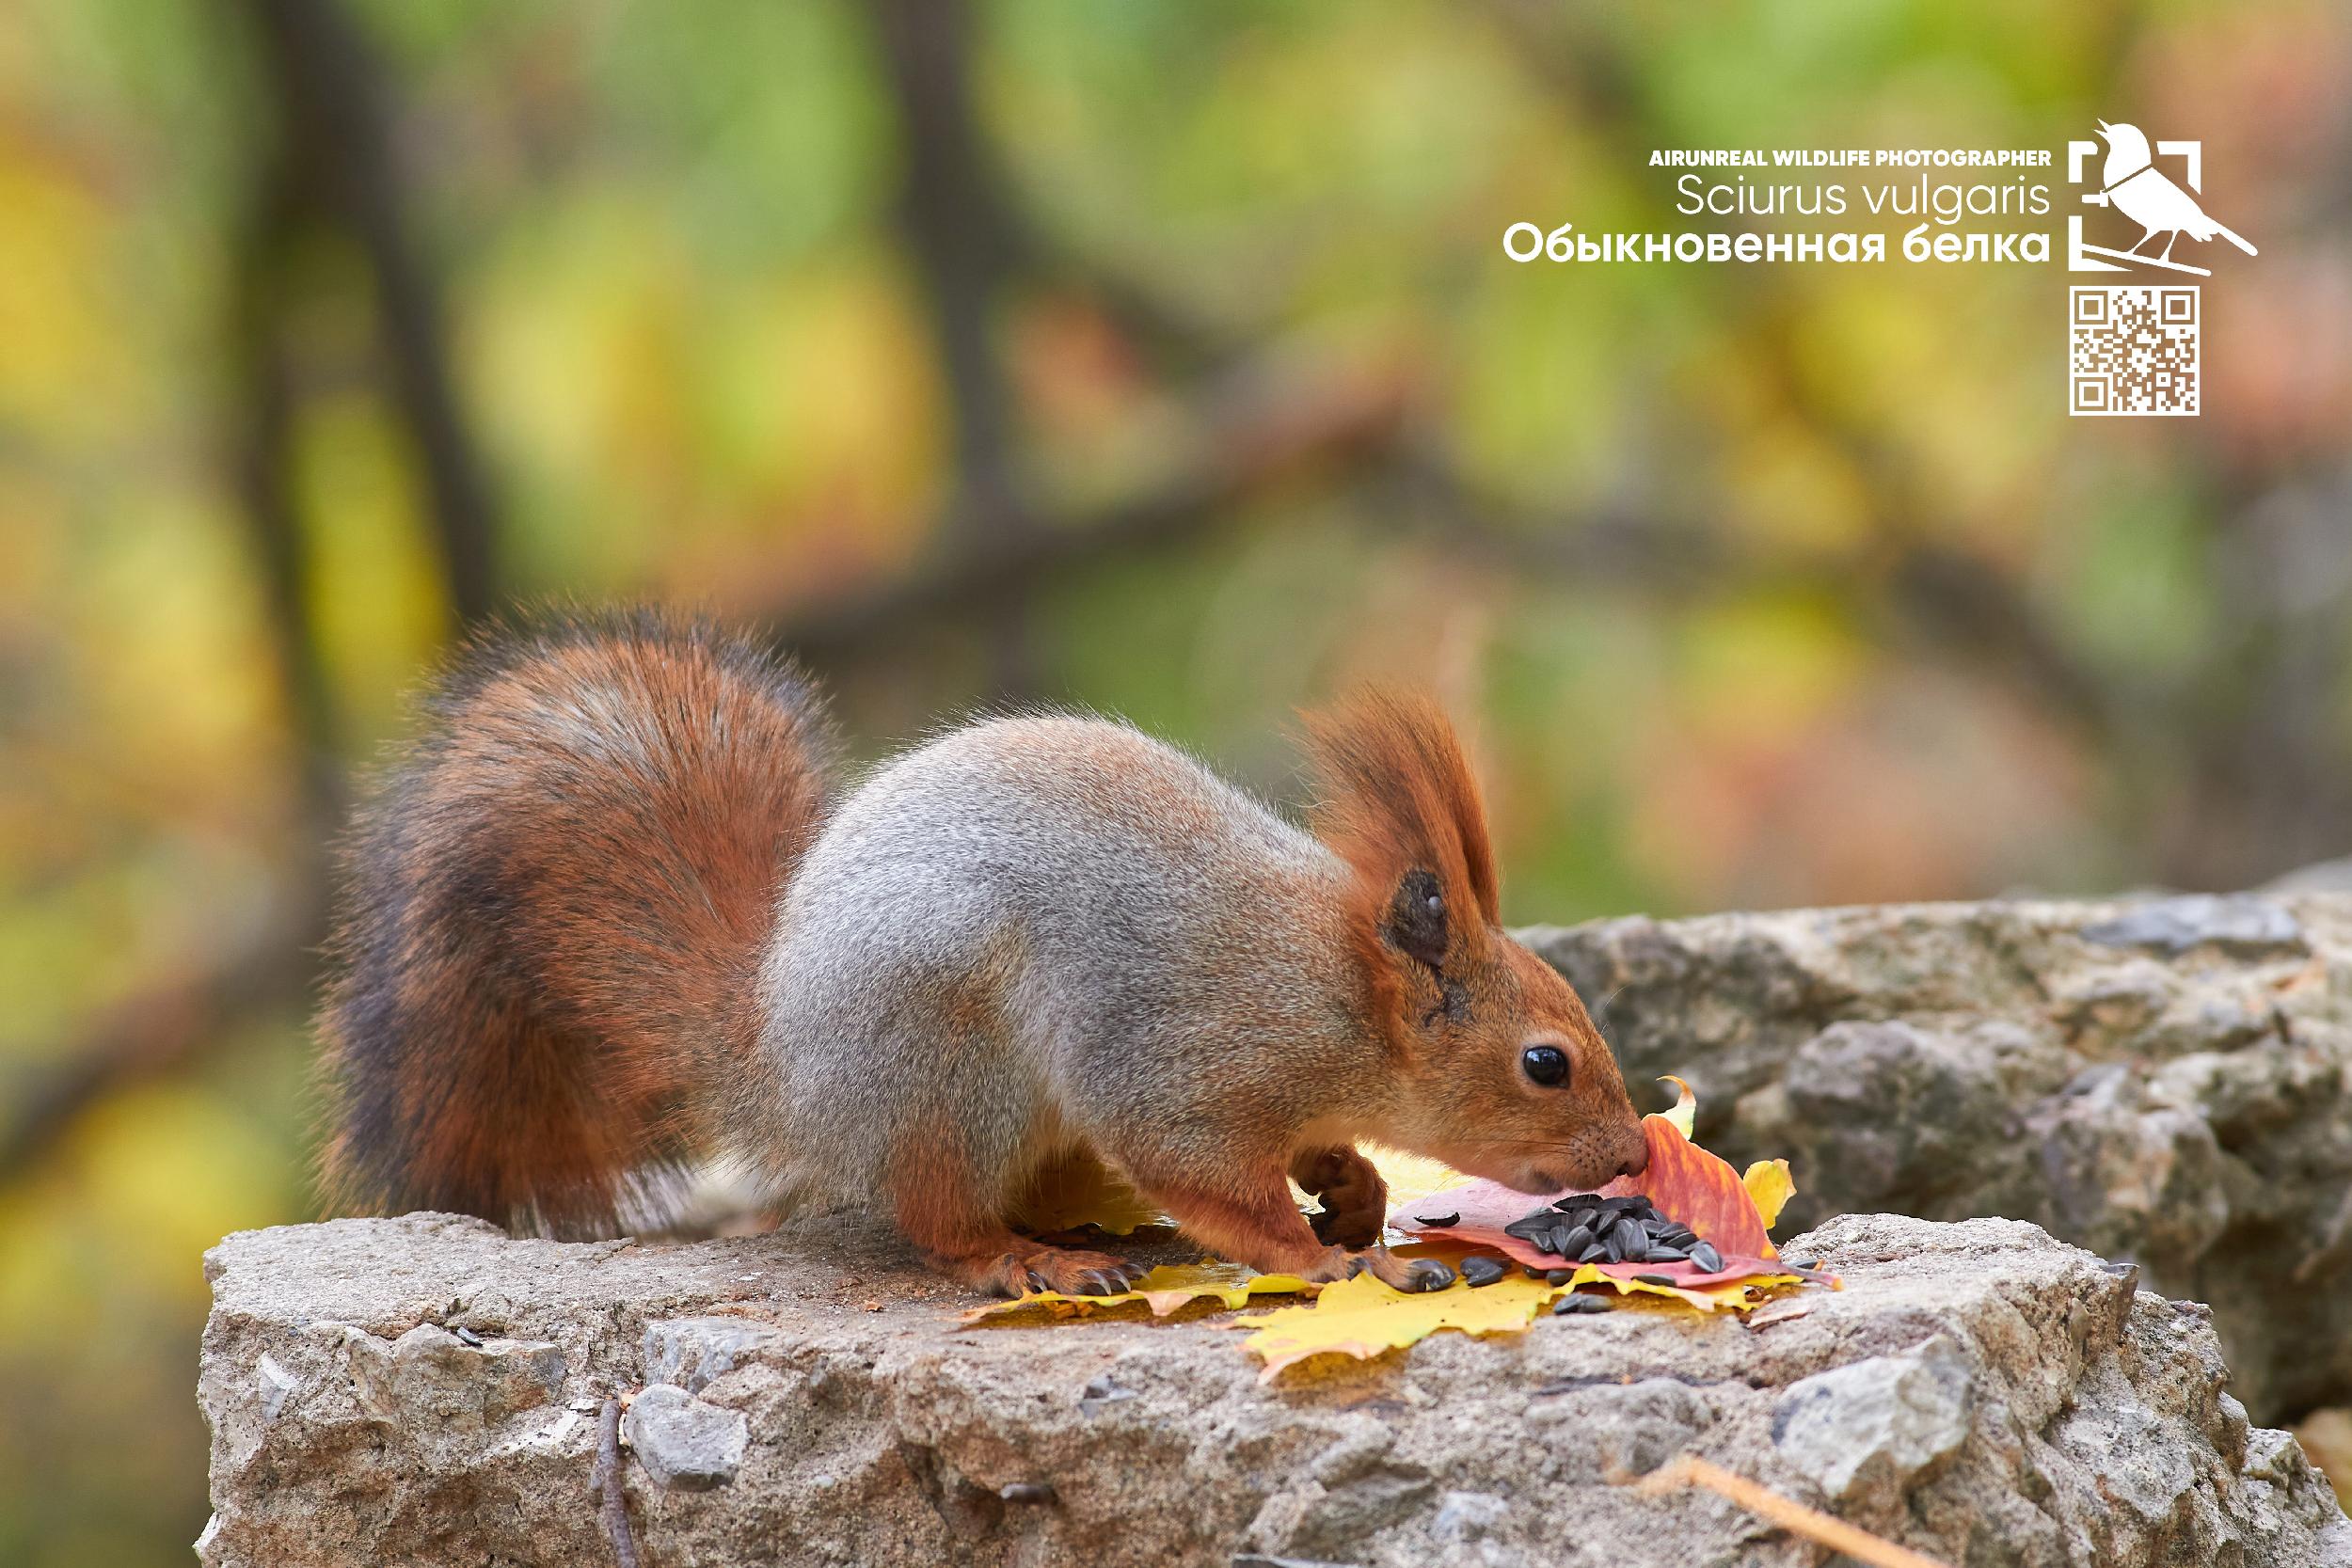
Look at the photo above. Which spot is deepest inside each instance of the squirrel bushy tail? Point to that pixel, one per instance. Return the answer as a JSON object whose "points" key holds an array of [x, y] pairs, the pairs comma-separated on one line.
{"points": [[554, 918]]}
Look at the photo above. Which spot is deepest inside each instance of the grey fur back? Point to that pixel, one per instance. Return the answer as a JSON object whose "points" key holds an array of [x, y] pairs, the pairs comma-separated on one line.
{"points": [[1042, 929]]}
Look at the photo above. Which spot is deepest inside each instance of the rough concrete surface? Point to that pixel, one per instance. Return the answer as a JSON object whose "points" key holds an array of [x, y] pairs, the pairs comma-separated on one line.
{"points": [[2166, 1081], [422, 1391]]}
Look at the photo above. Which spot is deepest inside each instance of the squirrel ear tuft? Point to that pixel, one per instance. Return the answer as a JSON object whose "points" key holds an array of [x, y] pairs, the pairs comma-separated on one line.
{"points": [[1398, 804]]}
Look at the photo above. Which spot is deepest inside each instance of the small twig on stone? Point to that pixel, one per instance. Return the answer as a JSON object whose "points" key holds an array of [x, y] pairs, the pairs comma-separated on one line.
{"points": [[612, 1504], [1788, 1514]]}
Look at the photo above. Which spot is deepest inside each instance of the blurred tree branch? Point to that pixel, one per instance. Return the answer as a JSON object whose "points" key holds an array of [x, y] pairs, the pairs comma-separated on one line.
{"points": [[264, 460], [333, 126], [954, 219]]}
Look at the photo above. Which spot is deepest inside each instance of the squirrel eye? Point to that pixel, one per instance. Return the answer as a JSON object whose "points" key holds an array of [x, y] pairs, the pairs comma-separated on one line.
{"points": [[1547, 1065]]}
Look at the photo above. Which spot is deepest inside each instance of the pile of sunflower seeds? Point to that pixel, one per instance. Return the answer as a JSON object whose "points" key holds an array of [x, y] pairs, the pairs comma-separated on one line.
{"points": [[1583, 1228]]}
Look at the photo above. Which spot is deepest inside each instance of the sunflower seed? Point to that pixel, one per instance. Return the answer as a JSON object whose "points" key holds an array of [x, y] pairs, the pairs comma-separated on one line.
{"points": [[1706, 1257], [1658, 1253], [1800, 1262], [1558, 1276], [1481, 1271], [1653, 1280], [1613, 1244], [1630, 1234], [1573, 1244], [1673, 1235], [1577, 1302], [1437, 1221]]}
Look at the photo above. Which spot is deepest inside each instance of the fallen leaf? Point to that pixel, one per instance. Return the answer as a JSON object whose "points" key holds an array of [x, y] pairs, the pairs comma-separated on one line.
{"points": [[1361, 1317], [1770, 1187], [1164, 1290], [1689, 1184]]}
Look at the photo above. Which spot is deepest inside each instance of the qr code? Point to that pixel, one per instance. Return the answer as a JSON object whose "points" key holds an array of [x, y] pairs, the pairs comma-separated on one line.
{"points": [[2132, 350]]}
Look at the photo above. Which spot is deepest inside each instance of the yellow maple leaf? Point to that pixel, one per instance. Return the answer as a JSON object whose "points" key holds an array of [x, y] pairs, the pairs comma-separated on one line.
{"points": [[1707, 1298], [1164, 1290], [1770, 1187], [1361, 1317]]}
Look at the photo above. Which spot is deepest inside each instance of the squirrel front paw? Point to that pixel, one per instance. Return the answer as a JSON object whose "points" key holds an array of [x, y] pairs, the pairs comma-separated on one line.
{"points": [[1354, 1198]]}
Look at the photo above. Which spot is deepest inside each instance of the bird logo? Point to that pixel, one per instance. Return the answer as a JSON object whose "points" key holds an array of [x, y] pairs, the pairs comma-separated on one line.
{"points": [[2132, 185]]}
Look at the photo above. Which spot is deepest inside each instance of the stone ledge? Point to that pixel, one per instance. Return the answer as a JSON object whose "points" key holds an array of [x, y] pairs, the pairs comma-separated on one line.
{"points": [[422, 1392]]}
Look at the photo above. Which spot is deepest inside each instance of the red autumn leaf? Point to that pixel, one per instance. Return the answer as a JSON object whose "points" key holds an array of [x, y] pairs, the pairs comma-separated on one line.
{"points": [[1689, 1184], [1684, 1181]]}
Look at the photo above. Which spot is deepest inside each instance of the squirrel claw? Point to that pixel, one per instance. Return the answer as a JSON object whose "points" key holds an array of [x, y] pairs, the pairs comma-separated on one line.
{"points": [[1411, 1275], [1426, 1274], [1062, 1271]]}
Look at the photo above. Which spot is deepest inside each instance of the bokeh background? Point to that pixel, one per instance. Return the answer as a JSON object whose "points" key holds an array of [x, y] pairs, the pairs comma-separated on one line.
{"points": [[1157, 355]]}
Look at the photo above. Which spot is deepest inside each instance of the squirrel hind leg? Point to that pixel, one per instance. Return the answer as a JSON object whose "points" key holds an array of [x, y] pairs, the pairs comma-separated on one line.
{"points": [[939, 1207]]}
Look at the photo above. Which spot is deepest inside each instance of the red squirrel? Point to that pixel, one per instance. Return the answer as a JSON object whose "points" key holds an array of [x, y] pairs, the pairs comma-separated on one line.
{"points": [[615, 914]]}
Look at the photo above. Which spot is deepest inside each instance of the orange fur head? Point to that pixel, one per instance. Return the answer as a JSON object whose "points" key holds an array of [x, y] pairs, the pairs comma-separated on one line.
{"points": [[1501, 1071]]}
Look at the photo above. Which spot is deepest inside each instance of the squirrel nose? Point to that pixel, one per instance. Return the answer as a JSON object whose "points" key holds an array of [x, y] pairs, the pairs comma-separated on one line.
{"points": [[1639, 1163]]}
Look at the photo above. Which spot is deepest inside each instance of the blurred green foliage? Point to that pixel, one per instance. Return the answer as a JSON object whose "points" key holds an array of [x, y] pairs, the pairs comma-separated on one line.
{"points": [[1755, 585]]}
